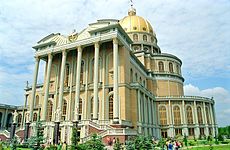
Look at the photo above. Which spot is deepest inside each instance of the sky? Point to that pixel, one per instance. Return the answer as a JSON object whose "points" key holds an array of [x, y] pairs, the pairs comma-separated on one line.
{"points": [[196, 31]]}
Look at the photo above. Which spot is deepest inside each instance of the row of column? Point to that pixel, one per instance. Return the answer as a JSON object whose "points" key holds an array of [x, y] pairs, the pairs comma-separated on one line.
{"points": [[146, 110], [77, 92]]}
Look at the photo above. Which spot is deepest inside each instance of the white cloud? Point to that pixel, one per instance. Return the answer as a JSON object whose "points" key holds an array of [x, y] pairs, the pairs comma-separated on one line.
{"points": [[219, 94], [221, 97]]}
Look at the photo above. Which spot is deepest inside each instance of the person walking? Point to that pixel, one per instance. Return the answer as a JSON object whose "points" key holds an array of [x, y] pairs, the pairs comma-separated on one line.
{"points": [[64, 146], [170, 146]]}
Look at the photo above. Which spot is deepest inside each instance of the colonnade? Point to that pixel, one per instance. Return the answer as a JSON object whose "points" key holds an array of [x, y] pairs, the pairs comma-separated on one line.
{"points": [[184, 120], [146, 114], [77, 90]]}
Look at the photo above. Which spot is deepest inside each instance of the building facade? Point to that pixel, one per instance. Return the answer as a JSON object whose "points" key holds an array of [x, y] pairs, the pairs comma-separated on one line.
{"points": [[112, 79]]}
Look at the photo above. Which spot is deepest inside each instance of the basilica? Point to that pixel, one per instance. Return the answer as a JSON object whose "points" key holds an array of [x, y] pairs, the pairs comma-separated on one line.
{"points": [[111, 79]]}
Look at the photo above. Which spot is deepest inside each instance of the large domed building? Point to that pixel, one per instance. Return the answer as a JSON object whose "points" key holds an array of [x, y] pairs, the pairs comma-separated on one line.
{"points": [[112, 79]]}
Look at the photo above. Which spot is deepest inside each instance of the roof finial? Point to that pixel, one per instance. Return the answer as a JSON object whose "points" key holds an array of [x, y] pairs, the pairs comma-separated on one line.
{"points": [[132, 11]]}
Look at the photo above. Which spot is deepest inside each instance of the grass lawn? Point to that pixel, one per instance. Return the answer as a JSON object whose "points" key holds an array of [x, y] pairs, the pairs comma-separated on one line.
{"points": [[215, 147]]}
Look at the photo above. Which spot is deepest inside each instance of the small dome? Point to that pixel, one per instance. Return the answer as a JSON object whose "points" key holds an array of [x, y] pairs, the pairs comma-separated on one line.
{"points": [[134, 23]]}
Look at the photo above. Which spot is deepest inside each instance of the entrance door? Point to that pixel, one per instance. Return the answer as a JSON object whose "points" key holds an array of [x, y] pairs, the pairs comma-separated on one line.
{"points": [[164, 133]]}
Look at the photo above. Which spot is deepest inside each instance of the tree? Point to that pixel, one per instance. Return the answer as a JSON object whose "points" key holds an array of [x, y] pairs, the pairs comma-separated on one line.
{"points": [[95, 143], [38, 139], [140, 143], [117, 145], [74, 136], [75, 139]]}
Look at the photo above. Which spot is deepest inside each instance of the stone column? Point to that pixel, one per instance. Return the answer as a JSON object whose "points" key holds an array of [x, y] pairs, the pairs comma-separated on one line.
{"points": [[150, 111], [115, 81], [61, 88], [37, 60], [23, 112], [197, 129], [26, 132], [212, 119], [185, 129], [95, 81], [146, 114], [47, 83], [139, 111], [171, 127], [150, 116], [205, 121], [56, 132], [77, 90]]}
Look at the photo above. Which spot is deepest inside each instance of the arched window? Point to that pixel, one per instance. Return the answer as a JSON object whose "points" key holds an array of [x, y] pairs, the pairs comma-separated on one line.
{"points": [[152, 40], [64, 108], [189, 115], [178, 69], [135, 37], [145, 38], [170, 67], [0, 119], [19, 120], [49, 111], [163, 115], [111, 107], [176, 114], [82, 71], [67, 72], [207, 115], [37, 101], [80, 108], [161, 66], [136, 77], [35, 116], [131, 75], [9, 120], [199, 115]]}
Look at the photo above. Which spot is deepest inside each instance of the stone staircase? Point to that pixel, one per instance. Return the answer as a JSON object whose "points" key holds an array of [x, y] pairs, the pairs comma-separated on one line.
{"points": [[105, 129]]}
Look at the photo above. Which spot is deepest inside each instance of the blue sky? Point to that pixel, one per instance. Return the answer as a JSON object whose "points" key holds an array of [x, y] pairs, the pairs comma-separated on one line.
{"points": [[197, 31]]}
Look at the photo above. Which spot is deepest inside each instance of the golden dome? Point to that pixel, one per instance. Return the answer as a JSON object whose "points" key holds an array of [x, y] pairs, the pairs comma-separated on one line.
{"points": [[134, 23]]}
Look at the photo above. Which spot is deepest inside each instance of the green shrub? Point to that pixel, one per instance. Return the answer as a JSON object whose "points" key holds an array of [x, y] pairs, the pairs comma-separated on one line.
{"points": [[220, 137], [95, 143], [224, 142], [52, 147], [139, 142], [192, 143]]}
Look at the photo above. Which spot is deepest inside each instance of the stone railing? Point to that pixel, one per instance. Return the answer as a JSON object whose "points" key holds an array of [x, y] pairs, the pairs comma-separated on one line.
{"points": [[185, 97], [5, 132]]}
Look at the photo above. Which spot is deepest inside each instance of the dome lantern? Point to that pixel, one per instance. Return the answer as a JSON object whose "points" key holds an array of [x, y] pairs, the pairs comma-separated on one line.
{"points": [[132, 11]]}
